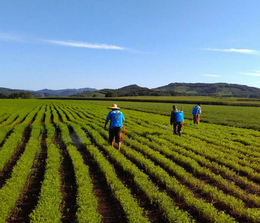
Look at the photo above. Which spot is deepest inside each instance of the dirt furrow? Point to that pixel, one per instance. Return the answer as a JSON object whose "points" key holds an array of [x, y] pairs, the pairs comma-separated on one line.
{"points": [[162, 187], [152, 211], [108, 207], [5, 118], [30, 194], [7, 171], [249, 189], [11, 131], [6, 137], [69, 187]]}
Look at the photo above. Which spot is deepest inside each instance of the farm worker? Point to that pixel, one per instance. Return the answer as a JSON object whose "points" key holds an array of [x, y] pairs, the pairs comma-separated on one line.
{"points": [[196, 111], [177, 120], [116, 122]]}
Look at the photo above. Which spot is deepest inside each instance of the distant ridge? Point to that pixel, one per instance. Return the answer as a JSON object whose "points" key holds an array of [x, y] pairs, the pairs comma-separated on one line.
{"points": [[215, 89], [187, 89], [48, 92], [173, 89], [62, 92]]}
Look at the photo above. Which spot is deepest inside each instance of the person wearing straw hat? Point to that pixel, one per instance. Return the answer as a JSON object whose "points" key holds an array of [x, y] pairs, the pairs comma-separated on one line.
{"points": [[116, 118]]}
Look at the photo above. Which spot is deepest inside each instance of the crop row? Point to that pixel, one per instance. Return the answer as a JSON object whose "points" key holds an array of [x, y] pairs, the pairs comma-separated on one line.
{"points": [[224, 157], [205, 208], [189, 163], [10, 123], [236, 206], [15, 139], [206, 153], [10, 192], [214, 180], [164, 202], [242, 116], [168, 144], [48, 207], [129, 205], [217, 152]]}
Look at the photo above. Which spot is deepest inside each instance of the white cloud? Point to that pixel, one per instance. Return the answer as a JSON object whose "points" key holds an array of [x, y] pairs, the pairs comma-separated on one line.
{"points": [[210, 75], [245, 51], [255, 73], [85, 45], [10, 37]]}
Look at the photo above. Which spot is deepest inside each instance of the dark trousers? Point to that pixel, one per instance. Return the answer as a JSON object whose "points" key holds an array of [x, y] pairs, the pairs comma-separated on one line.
{"points": [[196, 119], [114, 133], [177, 126]]}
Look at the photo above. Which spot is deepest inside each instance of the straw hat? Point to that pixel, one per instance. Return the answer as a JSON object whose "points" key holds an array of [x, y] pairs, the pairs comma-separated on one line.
{"points": [[114, 106]]}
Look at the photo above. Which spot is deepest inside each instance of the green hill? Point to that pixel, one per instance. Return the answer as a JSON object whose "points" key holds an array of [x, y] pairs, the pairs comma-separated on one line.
{"points": [[46, 92], [216, 89], [173, 89]]}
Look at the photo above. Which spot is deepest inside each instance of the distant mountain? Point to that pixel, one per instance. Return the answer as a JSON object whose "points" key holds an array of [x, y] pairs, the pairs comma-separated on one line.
{"points": [[173, 89], [63, 92], [216, 89], [48, 92], [130, 90], [8, 91]]}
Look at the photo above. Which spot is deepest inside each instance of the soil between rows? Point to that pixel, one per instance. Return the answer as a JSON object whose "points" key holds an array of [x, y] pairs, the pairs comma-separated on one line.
{"points": [[30, 195], [108, 207], [69, 187], [7, 171]]}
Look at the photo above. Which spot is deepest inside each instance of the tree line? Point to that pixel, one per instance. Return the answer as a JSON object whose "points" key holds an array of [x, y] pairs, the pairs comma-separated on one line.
{"points": [[17, 95]]}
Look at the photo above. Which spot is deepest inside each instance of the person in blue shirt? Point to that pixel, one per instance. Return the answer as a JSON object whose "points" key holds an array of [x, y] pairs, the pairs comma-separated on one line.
{"points": [[196, 111], [177, 120], [117, 119]]}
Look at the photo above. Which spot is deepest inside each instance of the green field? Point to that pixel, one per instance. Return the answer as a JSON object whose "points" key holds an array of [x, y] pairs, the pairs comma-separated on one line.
{"points": [[195, 99], [57, 166], [237, 116]]}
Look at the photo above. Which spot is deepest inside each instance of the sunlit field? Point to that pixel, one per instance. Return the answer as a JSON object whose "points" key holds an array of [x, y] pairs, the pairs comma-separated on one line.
{"points": [[56, 164]]}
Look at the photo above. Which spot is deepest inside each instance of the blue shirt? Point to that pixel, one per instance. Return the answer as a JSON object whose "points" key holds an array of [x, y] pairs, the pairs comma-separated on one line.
{"points": [[116, 119]]}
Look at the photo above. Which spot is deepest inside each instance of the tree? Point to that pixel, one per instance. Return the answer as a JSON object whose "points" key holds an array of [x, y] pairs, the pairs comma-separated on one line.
{"points": [[2, 95], [22, 94], [111, 94]]}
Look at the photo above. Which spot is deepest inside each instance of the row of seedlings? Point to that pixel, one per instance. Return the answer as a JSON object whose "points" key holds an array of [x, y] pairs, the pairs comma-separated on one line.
{"points": [[169, 144], [11, 113], [199, 157], [222, 148], [238, 137], [165, 203], [11, 118], [5, 129], [3, 117], [234, 204], [244, 157], [236, 207], [198, 168], [48, 208], [208, 212], [215, 156], [218, 157], [133, 212], [227, 173], [86, 201], [15, 139], [198, 151], [10, 192]]}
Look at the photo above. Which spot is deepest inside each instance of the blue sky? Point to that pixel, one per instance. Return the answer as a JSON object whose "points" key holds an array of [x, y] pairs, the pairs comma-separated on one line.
{"points": [[113, 43]]}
